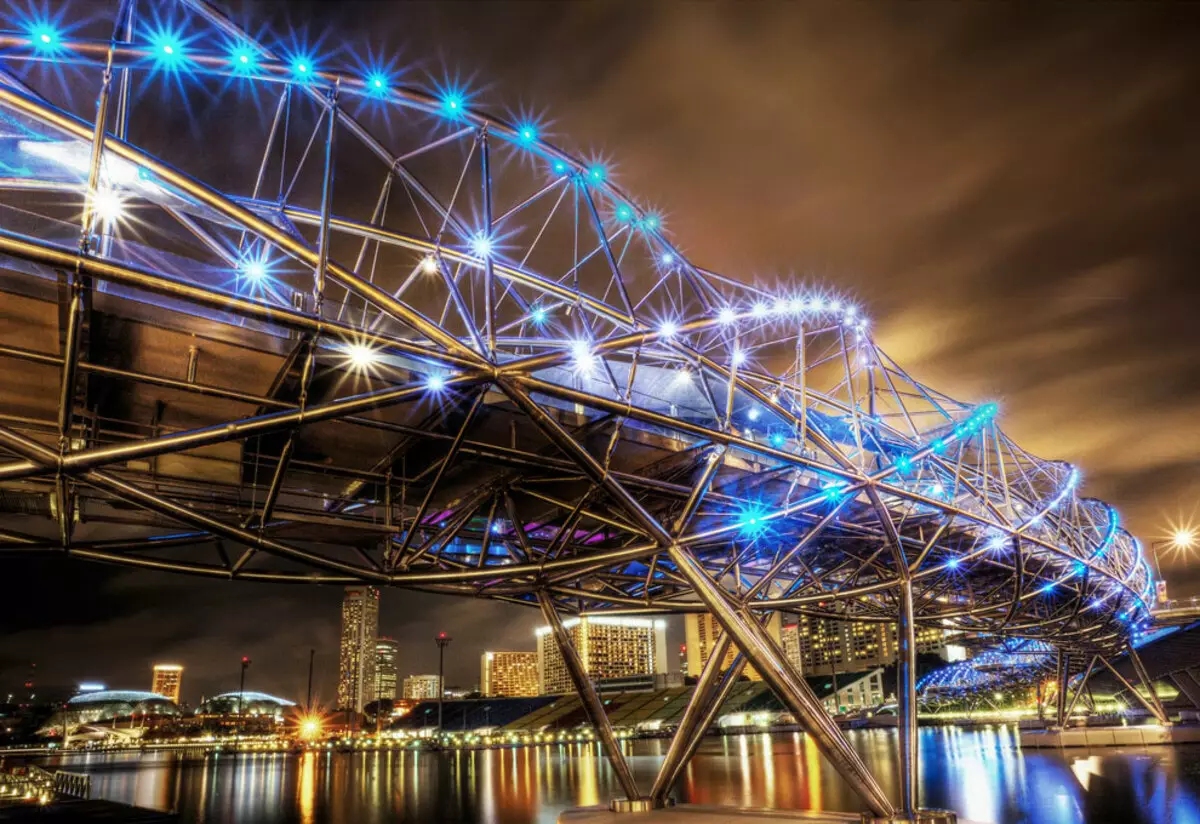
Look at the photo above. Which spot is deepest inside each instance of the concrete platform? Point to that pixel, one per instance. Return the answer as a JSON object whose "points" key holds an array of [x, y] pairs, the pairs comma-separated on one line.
{"points": [[1096, 737], [702, 814]]}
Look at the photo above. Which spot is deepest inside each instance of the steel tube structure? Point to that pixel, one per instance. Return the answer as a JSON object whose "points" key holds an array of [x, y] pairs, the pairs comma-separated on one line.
{"points": [[1151, 706], [689, 729], [906, 699], [475, 366], [1156, 706], [593, 707]]}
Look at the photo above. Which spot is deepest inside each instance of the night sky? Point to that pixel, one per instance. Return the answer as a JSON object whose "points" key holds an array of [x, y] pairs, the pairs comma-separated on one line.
{"points": [[1011, 192]]}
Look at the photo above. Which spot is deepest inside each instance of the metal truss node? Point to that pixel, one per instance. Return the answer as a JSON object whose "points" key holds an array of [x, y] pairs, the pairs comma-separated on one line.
{"points": [[268, 318]]}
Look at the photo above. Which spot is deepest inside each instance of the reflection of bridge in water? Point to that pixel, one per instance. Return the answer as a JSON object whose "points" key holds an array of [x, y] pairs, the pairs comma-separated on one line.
{"points": [[321, 326]]}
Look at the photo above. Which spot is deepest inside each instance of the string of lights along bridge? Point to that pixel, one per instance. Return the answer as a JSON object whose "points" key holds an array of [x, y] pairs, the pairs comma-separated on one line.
{"points": [[309, 320]]}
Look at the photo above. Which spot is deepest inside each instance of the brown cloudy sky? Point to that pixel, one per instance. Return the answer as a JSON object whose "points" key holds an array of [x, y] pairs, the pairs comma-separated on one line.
{"points": [[1012, 192]]}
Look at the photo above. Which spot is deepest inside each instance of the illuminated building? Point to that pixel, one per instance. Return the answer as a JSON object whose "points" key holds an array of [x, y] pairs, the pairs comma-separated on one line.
{"points": [[167, 681], [356, 660], [821, 646], [703, 632], [421, 687], [386, 651], [609, 647], [508, 674]]}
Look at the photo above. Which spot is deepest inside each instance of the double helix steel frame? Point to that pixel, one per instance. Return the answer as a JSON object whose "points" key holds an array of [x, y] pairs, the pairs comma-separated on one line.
{"points": [[414, 344]]}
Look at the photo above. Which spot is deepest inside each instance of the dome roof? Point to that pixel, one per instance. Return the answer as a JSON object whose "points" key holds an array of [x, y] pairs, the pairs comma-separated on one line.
{"points": [[252, 703], [117, 696]]}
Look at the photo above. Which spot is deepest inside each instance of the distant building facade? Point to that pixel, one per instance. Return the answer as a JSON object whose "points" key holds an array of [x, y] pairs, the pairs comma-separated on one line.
{"points": [[386, 653], [167, 681], [421, 687], [508, 674], [356, 658], [856, 691], [822, 646], [703, 632], [608, 646]]}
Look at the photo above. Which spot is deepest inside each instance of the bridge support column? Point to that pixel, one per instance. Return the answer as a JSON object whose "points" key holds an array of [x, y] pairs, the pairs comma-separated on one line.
{"points": [[1148, 683], [785, 682], [1083, 684], [592, 706], [696, 718], [1154, 708], [906, 702], [1062, 676]]}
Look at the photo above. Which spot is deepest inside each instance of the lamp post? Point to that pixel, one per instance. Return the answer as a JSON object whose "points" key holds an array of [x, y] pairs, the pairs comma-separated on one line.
{"points": [[443, 641], [1184, 538], [242, 692]]}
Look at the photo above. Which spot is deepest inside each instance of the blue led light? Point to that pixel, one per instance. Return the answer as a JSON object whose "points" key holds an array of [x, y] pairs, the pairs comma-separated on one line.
{"points": [[453, 104], [597, 173], [538, 315], [651, 222], [527, 134], [303, 68], [953, 563], [624, 213], [904, 464], [834, 491], [44, 38], [497, 527], [559, 167], [167, 50], [378, 84], [244, 58], [1047, 588], [435, 383], [753, 520], [778, 439], [667, 258]]}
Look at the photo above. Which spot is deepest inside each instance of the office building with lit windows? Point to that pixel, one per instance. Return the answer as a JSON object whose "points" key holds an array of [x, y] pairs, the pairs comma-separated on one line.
{"points": [[356, 658], [608, 646], [508, 674], [421, 687], [822, 646], [386, 653], [168, 678], [702, 632]]}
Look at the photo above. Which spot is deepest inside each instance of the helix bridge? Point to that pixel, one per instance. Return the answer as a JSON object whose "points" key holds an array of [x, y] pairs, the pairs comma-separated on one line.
{"points": [[276, 315]]}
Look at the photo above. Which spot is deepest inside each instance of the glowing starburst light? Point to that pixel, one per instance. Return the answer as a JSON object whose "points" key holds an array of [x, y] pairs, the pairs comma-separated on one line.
{"points": [[481, 245], [108, 205], [582, 356], [45, 38], [429, 265], [361, 356]]}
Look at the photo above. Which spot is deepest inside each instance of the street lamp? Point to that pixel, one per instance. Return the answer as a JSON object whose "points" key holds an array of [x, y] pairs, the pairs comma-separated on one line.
{"points": [[1182, 539], [242, 692], [443, 641]]}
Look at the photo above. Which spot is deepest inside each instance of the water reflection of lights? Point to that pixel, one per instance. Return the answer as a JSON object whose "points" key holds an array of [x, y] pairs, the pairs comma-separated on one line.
{"points": [[306, 791]]}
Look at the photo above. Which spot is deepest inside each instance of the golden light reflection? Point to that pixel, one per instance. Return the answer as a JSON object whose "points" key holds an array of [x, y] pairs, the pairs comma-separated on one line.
{"points": [[589, 793], [306, 790], [812, 772]]}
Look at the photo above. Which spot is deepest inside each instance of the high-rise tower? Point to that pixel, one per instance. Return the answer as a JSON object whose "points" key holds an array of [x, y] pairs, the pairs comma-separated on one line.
{"points": [[356, 661], [167, 680], [386, 651]]}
